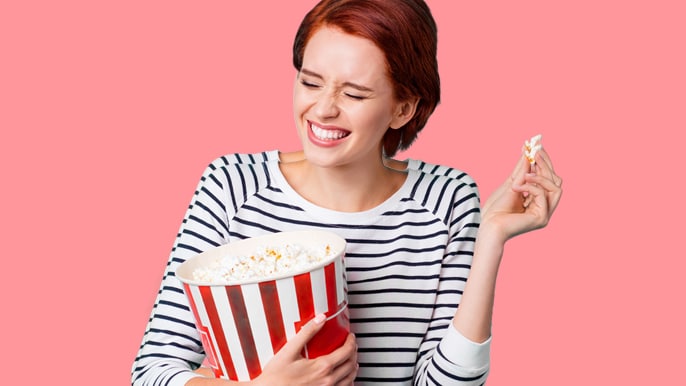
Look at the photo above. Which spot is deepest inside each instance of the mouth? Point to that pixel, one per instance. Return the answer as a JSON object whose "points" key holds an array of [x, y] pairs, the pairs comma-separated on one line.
{"points": [[327, 134]]}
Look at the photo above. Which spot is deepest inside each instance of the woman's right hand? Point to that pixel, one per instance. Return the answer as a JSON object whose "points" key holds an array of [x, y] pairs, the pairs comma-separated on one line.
{"points": [[288, 366]]}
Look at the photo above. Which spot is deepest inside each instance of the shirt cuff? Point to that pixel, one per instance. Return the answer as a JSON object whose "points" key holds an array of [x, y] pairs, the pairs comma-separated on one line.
{"points": [[182, 378], [464, 352]]}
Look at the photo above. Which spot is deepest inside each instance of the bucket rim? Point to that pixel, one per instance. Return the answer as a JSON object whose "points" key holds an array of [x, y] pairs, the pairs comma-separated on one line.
{"points": [[184, 272]]}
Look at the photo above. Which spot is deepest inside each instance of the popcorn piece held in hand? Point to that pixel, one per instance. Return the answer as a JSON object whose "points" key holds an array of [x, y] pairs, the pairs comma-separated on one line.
{"points": [[531, 147]]}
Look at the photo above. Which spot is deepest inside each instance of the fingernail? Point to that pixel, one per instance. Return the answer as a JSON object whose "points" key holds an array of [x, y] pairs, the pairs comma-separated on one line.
{"points": [[319, 318]]}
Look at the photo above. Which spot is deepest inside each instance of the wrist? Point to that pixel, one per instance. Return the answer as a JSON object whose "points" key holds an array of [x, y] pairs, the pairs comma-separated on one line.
{"points": [[491, 236]]}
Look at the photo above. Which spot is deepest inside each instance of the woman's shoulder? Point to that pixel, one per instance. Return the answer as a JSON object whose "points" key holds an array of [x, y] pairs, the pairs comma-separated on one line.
{"points": [[448, 197], [448, 174], [239, 167], [441, 170], [243, 158]]}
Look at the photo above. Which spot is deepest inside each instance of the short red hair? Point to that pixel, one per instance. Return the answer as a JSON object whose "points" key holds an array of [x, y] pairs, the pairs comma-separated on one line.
{"points": [[406, 33]]}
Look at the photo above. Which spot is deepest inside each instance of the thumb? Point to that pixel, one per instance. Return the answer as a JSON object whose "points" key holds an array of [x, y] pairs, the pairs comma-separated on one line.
{"points": [[295, 345]]}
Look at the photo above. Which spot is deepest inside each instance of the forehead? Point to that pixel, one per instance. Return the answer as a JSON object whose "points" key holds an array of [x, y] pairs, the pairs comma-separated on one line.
{"points": [[330, 51]]}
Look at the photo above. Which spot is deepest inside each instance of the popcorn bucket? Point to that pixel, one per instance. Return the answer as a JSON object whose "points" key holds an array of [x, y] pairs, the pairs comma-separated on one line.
{"points": [[243, 324]]}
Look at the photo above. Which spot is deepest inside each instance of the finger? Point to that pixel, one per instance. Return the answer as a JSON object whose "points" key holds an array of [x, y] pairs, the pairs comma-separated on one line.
{"points": [[523, 166], [543, 167], [344, 373], [517, 177], [348, 379], [525, 191], [343, 354], [545, 189], [554, 200], [547, 183], [554, 195], [295, 345], [542, 156], [538, 205], [543, 159]]}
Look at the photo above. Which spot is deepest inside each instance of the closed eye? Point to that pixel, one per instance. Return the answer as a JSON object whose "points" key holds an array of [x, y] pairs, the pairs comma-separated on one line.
{"points": [[355, 97], [308, 84]]}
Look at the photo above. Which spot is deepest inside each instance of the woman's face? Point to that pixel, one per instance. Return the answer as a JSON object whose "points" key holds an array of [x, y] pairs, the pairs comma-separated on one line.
{"points": [[343, 101]]}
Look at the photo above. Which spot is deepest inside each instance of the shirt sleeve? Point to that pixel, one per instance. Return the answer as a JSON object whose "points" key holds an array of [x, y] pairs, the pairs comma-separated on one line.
{"points": [[171, 348], [446, 357], [463, 358]]}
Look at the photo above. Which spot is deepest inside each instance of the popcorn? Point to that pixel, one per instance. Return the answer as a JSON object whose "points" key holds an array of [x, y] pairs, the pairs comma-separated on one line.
{"points": [[531, 147], [266, 262]]}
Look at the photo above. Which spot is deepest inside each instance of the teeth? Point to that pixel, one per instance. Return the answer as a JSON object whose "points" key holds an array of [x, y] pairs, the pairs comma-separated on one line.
{"points": [[327, 134]]}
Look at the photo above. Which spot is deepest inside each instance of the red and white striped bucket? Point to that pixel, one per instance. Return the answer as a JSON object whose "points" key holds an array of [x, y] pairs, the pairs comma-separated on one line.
{"points": [[243, 325]]}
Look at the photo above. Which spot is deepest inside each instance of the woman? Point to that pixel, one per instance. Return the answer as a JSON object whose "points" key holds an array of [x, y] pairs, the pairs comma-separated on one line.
{"points": [[418, 244]]}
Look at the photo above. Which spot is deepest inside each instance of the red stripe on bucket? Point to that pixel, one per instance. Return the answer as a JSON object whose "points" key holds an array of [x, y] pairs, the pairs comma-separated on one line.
{"points": [[303, 290], [240, 318], [331, 292], [204, 335], [215, 322], [272, 311]]}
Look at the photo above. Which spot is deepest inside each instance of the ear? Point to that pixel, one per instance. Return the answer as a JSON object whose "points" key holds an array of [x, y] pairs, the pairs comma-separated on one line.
{"points": [[404, 111]]}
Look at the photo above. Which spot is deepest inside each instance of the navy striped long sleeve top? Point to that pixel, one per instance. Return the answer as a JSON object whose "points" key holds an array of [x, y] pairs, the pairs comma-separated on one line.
{"points": [[407, 261]]}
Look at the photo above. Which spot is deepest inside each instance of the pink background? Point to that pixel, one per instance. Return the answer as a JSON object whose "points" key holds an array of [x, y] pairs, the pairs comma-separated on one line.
{"points": [[111, 110]]}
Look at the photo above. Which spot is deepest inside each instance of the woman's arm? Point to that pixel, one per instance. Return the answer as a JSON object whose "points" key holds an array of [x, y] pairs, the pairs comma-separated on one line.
{"points": [[171, 346], [525, 202]]}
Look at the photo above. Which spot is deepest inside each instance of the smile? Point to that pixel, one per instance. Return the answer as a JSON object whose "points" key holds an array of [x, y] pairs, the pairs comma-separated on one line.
{"points": [[328, 134]]}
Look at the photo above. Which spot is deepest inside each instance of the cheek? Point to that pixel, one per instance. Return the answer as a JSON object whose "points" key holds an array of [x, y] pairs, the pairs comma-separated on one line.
{"points": [[297, 106], [300, 101], [373, 117]]}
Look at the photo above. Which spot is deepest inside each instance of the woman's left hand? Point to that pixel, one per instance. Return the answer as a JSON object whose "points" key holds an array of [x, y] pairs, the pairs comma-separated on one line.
{"points": [[525, 201]]}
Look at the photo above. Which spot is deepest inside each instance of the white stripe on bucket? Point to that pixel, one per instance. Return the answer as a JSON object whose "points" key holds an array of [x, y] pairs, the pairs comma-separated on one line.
{"points": [[319, 291], [286, 289], [258, 322]]}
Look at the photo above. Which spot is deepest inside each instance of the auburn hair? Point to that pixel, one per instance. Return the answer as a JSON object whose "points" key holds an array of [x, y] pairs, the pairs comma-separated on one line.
{"points": [[406, 33]]}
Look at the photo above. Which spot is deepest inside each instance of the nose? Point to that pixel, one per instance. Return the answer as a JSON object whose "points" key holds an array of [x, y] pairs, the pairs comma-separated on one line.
{"points": [[327, 105]]}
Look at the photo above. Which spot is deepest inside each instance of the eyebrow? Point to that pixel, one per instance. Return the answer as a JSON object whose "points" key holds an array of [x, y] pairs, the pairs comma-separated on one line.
{"points": [[346, 84]]}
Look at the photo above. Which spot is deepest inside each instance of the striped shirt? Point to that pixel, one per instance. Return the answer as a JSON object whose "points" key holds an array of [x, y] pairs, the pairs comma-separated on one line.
{"points": [[407, 261]]}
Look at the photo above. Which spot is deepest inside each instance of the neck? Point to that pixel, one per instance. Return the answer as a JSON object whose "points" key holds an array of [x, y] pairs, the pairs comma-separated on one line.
{"points": [[344, 189]]}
